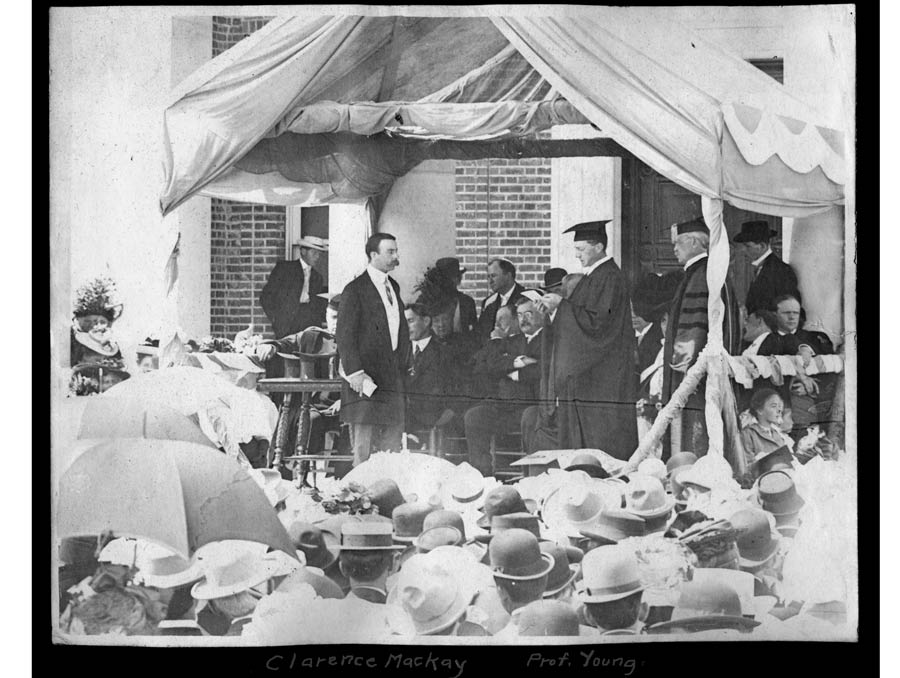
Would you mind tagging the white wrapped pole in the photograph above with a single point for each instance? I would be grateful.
(716, 272)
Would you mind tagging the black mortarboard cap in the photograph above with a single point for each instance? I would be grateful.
(590, 230)
(692, 226)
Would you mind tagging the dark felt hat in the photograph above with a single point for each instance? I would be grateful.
(755, 231)
(521, 520)
(588, 463)
(409, 520)
(565, 566)
(553, 278)
(772, 460)
(705, 606)
(614, 525)
(516, 554)
(311, 540)
(590, 230)
(778, 494)
(756, 541)
(450, 266)
(386, 495)
(692, 226)
(499, 501)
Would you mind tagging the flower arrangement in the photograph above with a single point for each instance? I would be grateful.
(246, 342)
(351, 499)
(215, 345)
(97, 297)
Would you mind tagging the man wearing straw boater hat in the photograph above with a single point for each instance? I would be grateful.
(368, 557)
(290, 297)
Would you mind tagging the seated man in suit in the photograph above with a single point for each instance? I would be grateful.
(513, 359)
(427, 371)
(505, 289)
(810, 398)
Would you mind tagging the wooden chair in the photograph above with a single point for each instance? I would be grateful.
(506, 448)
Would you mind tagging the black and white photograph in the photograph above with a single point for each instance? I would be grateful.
(448, 326)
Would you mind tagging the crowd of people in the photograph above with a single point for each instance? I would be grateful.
(671, 549)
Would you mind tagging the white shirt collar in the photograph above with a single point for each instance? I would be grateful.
(422, 343)
(590, 269)
(640, 335)
(378, 277)
(753, 348)
(757, 262)
(784, 334)
(504, 298)
(305, 266)
(529, 337)
(694, 260)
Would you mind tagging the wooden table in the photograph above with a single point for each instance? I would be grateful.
(290, 386)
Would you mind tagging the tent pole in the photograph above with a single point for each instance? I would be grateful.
(716, 272)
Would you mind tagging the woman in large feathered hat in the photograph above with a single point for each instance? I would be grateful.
(95, 356)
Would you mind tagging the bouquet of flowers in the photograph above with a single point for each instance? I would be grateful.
(246, 342)
(664, 565)
(216, 345)
(351, 499)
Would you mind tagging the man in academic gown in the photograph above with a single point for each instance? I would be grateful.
(771, 276)
(588, 372)
(688, 327)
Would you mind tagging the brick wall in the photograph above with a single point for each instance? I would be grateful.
(247, 239)
(503, 210)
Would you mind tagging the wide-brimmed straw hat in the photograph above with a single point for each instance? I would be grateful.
(225, 576)
(646, 498)
(369, 535)
(570, 509)
(164, 570)
(609, 573)
(432, 595)
(313, 242)
(680, 459)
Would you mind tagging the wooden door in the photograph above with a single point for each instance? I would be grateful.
(651, 204)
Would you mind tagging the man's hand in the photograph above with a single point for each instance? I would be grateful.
(265, 352)
(549, 302)
(357, 380)
(497, 333)
(805, 386)
(333, 410)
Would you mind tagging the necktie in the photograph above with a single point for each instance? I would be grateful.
(416, 352)
(387, 289)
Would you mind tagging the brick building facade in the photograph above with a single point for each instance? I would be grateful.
(247, 239)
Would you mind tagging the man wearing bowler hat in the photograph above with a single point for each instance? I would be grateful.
(688, 327)
(290, 297)
(771, 276)
(464, 314)
(588, 371)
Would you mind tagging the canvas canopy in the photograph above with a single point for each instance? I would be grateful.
(698, 115)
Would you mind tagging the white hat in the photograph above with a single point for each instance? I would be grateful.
(231, 569)
(169, 571)
(609, 573)
(313, 242)
(431, 594)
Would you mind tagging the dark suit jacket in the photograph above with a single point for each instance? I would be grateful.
(467, 314)
(495, 359)
(648, 347)
(489, 313)
(280, 299)
(426, 385)
(774, 279)
(364, 343)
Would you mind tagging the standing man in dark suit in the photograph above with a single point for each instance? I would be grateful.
(427, 372)
(290, 297)
(589, 372)
(464, 315)
(506, 291)
(373, 345)
(771, 276)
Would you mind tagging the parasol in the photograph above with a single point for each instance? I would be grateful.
(177, 494)
(127, 417)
